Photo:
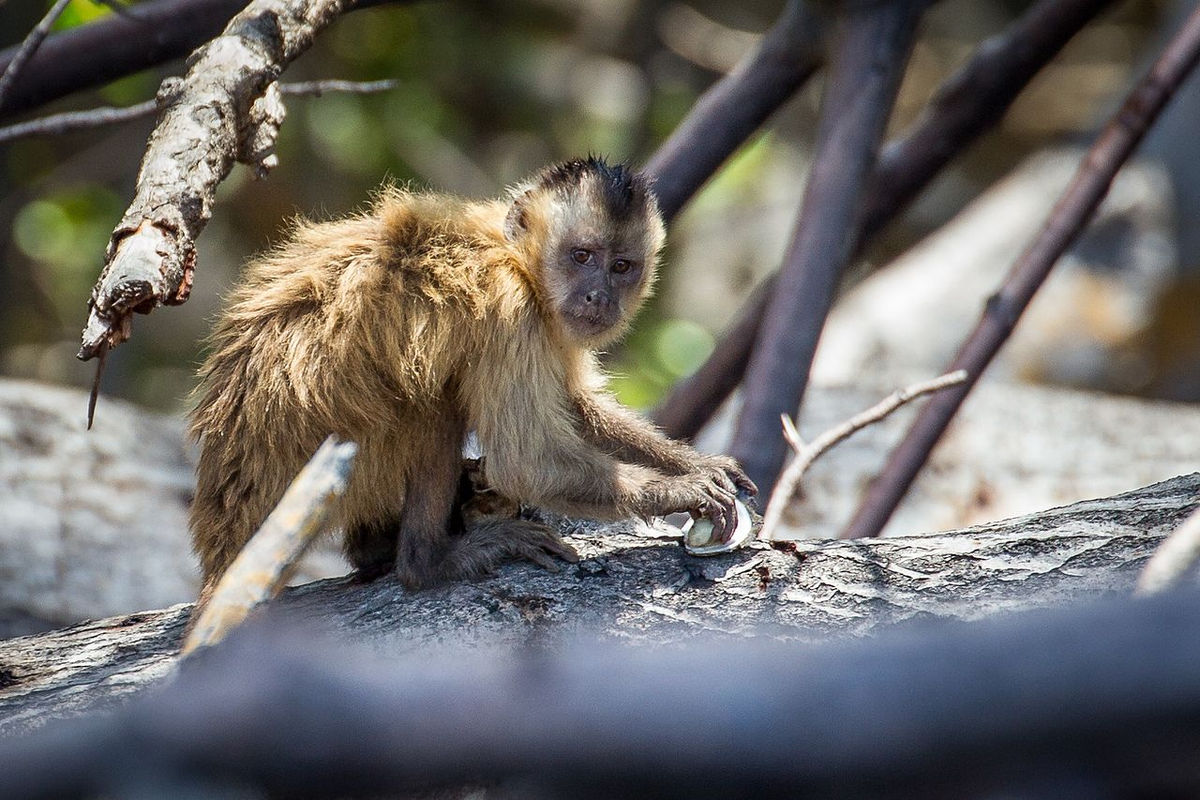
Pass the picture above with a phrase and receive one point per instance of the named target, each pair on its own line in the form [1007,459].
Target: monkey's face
[596,286]
[594,233]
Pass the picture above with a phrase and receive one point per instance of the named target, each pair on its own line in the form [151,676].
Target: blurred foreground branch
[1115,144]
[1093,701]
[637,589]
[266,562]
[1173,558]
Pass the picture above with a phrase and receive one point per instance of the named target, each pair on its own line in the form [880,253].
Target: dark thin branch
[1098,701]
[1115,144]
[737,105]
[876,39]
[149,34]
[28,47]
[967,105]
[92,118]
[95,54]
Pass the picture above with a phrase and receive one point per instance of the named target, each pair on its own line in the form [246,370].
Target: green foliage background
[488,92]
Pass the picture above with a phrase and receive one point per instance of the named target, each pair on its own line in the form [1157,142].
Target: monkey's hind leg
[370,547]
[487,543]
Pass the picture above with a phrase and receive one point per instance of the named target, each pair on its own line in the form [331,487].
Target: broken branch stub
[223,110]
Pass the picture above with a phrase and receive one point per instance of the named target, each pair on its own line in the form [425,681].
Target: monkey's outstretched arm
[628,436]
[536,455]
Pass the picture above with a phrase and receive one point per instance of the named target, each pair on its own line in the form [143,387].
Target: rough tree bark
[226,108]
[640,589]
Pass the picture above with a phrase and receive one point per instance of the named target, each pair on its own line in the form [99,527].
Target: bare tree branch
[226,108]
[266,562]
[738,104]
[92,118]
[1115,144]
[876,39]
[965,106]
[29,47]
[807,453]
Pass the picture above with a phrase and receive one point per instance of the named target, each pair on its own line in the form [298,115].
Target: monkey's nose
[599,298]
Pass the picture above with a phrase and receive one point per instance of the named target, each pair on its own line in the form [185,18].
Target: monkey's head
[590,234]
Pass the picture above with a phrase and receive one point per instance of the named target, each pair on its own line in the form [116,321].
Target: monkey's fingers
[541,558]
[721,478]
[743,482]
[721,511]
[556,546]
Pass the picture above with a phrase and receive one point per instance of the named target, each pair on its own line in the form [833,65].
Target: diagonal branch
[1115,144]
[968,104]
[225,108]
[268,559]
[1173,558]
[738,104]
[876,41]
[28,47]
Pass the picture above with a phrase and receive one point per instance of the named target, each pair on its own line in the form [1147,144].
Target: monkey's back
[358,327]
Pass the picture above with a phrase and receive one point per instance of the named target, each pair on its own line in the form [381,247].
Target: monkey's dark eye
[621,266]
[581,256]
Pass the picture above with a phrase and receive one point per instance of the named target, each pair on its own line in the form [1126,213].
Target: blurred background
[489,92]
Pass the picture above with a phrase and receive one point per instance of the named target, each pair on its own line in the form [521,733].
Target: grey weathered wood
[94,523]
[226,108]
[635,588]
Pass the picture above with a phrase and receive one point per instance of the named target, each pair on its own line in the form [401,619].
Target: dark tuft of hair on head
[623,191]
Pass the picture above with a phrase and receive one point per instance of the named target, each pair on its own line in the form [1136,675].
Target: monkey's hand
[696,494]
[726,473]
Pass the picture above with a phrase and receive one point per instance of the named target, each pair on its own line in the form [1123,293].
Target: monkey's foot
[371,572]
[487,544]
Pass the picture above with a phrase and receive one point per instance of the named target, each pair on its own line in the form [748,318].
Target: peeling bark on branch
[647,590]
[223,110]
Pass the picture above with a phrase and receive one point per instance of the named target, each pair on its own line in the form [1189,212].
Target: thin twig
[89,119]
[318,88]
[738,104]
[966,105]
[1115,144]
[267,560]
[1172,559]
[807,453]
[876,39]
[30,46]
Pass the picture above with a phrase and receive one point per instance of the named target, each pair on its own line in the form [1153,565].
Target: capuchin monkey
[424,318]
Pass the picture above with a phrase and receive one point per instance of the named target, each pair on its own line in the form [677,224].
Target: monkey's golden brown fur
[417,321]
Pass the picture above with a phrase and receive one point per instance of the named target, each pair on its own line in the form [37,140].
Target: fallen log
[94,523]
[645,589]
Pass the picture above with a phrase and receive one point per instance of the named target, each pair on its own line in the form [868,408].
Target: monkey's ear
[516,224]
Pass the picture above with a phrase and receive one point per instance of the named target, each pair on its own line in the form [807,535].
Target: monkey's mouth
[587,325]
